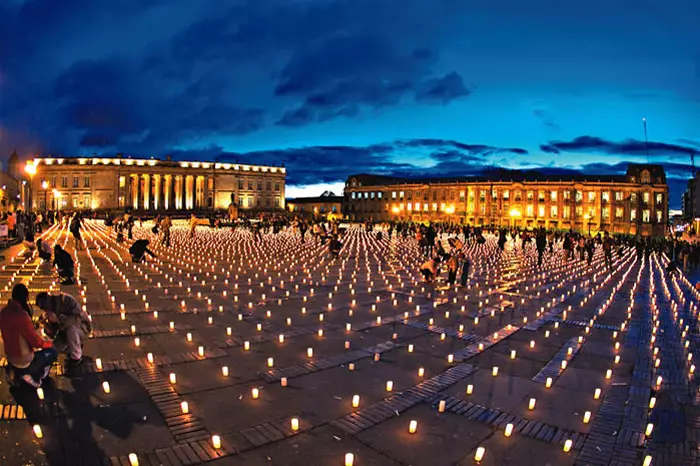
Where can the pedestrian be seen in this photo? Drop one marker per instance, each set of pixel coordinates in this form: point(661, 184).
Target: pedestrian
point(139, 249)
point(64, 265)
point(429, 270)
point(74, 228)
point(21, 338)
point(67, 322)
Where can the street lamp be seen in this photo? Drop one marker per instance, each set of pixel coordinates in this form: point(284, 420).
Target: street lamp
point(514, 214)
point(56, 195)
point(30, 169)
point(45, 187)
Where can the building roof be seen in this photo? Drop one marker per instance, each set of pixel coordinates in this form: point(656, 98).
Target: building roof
point(315, 200)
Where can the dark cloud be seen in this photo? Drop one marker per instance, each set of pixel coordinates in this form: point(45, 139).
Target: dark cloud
point(546, 118)
point(441, 90)
point(629, 147)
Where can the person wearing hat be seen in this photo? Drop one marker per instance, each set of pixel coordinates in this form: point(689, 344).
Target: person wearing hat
point(67, 322)
point(21, 338)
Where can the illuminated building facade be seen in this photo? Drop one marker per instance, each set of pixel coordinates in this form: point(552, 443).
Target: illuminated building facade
point(634, 203)
point(153, 185)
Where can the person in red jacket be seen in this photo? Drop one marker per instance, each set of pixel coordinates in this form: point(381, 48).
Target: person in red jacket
point(21, 339)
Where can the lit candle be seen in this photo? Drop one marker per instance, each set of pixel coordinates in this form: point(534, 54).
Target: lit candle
point(389, 385)
point(531, 405)
point(509, 430)
point(479, 455)
point(224, 371)
point(133, 459)
point(412, 426)
point(596, 395)
point(189, 336)
point(494, 371)
point(355, 401)
point(228, 331)
point(470, 389)
point(200, 350)
point(548, 383)
point(185, 407)
point(567, 445)
point(37, 431)
point(98, 364)
point(149, 356)
point(349, 459)
point(172, 325)
point(441, 406)
point(137, 341)
point(216, 441)
point(295, 424)
point(105, 387)
point(255, 393)
point(608, 374)
point(283, 381)
point(421, 372)
point(652, 402)
point(173, 378)
point(40, 393)
point(246, 345)
point(351, 366)
point(410, 348)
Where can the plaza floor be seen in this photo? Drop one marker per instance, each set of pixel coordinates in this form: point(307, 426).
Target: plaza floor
point(227, 351)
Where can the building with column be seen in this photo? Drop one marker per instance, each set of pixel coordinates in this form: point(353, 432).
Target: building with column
point(91, 183)
point(634, 203)
point(327, 205)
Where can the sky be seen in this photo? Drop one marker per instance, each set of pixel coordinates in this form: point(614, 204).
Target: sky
point(332, 88)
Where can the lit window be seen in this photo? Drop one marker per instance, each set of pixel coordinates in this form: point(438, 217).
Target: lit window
point(122, 181)
point(76, 200)
point(482, 209)
point(393, 194)
point(659, 216)
point(86, 182)
point(633, 198)
point(606, 213)
point(553, 196)
point(591, 196)
point(86, 201)
point(567, 195)
point(401, 194)
point(579, 211)
point(567, 211)
point(619, 212)
point(482, 195)
point(371, 195)
point(606, 196)
point(379, 195)
point(425, 207)
point(659, 198)
point(646, 216)
point(352, 195)
point(506, 194)
point(409, 206)
point(540, 211)
point(645, 197)
point(435, 207)
point(416, 206)
point(530, 210)
point(540, 196)
point(530, 195)
point(633, 215)
point(618, 195)
point(579, 196)
point(553, 211)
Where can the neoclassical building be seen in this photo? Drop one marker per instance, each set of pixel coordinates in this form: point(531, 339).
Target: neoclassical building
point(634, 203)
point(152, 185)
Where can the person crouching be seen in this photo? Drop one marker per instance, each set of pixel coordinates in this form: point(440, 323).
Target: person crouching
point(68, 323)
point(429, 270)
point(139, 249)
point(44, 249)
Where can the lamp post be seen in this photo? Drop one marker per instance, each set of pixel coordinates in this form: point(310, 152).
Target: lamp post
point(30, 169)
point(45, 186)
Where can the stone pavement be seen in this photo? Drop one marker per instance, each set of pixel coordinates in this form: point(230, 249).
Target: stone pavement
point(227, 351)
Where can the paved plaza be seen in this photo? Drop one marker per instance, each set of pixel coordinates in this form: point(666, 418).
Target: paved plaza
point(228, 351)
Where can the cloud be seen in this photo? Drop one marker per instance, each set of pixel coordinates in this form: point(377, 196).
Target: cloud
point(628, 147)
point(546, 118)
point(441, 90)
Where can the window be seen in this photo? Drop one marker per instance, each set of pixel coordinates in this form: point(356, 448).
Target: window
point(352, 195)
point(277, 186)
point(259, 187)
point(461, 196)
point(633, 215)
point(371, 195)
point(591, 196)
point(267, 202)
point(250, 184)
point(425, 207)
point(365, 195)
point(393, 194)
point(400, 194)
point(210, 183)
point(540, 211)
point(434, 195)
point(416, 206)
point(41, 204)
point(553, 211)
point(64, 199)
point(277, 201)
point(578, 196)
point(659, 216)
point(409, 195)
point(605, 196)
point(482, 209)
point(633, 198)
point(379, 195)
point(530, 210)
point(76, 200)
point(64, 182)
point(482, 195)
point(553, 196)
point(540, 196)
point(530, 195)
point(567, 211)
point(506, 194)
point(567, 195)
point(53, 181)
point(646, 217)
point(518, 195)
point(606, 214)
point(86, 182)
point(435, 207)
point(619, 212)
point(646, 177)
point(619, 195)
point(240, 184)
point(76, 182)
point(86, 201)
point(579, 211)
point(659, 198)
point(409, 206)
point(645, 197)
point(494, 194)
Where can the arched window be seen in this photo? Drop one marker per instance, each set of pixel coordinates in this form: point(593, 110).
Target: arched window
point(646, 177)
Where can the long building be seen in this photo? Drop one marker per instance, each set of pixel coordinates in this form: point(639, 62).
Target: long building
point(634, 203)
point(152, 185)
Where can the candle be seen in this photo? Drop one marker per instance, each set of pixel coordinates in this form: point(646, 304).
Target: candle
point(228, 331)
point(410, 348)
point(37, 431)
point(650, 428)
point(133, 459)
point(479, 455)
point(652, 402)
point(548, 383)
point(40, 393)
point(531, 405)
point(172, 325)
point(376, 356)
point(270, 362)
point(347, 345)
point(532, 343)
point(441, 406)
point(509, 430)
point(185, 407)
point(255, 393)
point(563, 365)
point(586, 417)
point(470, 389)
point(133, 329)
point(246, 345)
point(421, 372)
point(647, 461)
point(596, 395)
point(412, 426)
point(98, 364)
point(189, 336)
point(173, 378)
point(137, 341)
point(149, 356)
point(494, 371)
point(200, 350)
point(224, 371)
point(295, 424)
point(608, 374)
point(349, 459)
point(567, 445)
point(105, 387)
point(351, 366)
point(355, 401)
point(389, 385)
point(216, 441)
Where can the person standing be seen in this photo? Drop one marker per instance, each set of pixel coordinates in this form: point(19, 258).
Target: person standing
point(165, 226)
point(75, 225)
point(21, 338)
point(69, 323)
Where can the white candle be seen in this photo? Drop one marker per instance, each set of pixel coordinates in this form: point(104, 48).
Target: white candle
point(216, 441)
point(586, 417)
point(494, 371)
point(98, 364)
point(389, 385)
point(441, 406)
point(149, 356)
point(246, 345)
point(412, 426)
point(270, 362)
point(295, 424)
point(283, 381)
point(349, 459)
point(37, 431)
point(355, 401)
point(185, 407)
point(470, 389)
point(224, 371)
point(173, 378)
point(200, 350)
point(255, 393)
point(509, 430)
point(105, 387)
point(567, 445)
point(40, 393)
point(531, 405)
point(421, 372)
point(310, 352)
point(479, 455)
